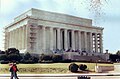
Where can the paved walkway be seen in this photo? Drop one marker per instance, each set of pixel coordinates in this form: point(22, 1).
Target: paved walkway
point(103, 77)
point(64, 76)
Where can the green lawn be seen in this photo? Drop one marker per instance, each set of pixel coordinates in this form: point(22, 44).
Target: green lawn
point(46, 68)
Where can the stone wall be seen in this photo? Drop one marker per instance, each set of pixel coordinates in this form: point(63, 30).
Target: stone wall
point(103, 68)
point(117, 67)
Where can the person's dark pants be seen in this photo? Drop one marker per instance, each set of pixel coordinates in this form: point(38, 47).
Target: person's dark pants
point(14, 74)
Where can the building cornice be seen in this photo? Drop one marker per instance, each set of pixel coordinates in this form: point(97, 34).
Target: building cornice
point(95, 27)
point(31, 17)
point(15, 22)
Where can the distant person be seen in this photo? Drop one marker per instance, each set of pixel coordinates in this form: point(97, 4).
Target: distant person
point(13, 69)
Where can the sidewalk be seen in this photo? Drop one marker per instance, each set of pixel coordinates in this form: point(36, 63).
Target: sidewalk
point(64, 76)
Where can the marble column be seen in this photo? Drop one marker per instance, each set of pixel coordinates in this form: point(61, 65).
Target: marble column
point(24, 30)
point(15, 38)
point(27, 30)
point(101, 44)
point(17, 35)
point(22, 37)
point(19, 38)
point(85, 38)
point(79, 35)
point(96, 43)
point(91, 42)
point(55, 38)
point(6, 40)
point(51, 38)
point(73, 40)
point(44, 37)
point(58, 38)
point(65, 39)
point(11, 38)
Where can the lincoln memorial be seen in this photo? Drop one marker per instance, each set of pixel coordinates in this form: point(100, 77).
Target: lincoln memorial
point(38, 31)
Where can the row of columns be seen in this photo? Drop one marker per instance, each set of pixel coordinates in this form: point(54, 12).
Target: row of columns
point(84, 45)
point(17, 38)
point(84, 41)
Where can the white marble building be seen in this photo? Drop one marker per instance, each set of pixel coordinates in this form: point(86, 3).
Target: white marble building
point(37, 31)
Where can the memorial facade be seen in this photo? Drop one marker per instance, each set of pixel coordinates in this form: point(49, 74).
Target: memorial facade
point(38, 31)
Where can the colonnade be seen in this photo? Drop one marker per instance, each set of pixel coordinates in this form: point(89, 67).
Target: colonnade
point(60, 38)
point(16, 38)
point(54, 38)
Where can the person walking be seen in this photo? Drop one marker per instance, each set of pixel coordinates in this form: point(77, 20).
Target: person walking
point(13, 69)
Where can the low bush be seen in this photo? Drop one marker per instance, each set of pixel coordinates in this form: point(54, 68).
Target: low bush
point(66, 61)
point(27, 62)
point(73, 67)
point(34, 59)
point(3, 57)
point(57, 58)
point(4, 62)
point(14, 57)
point(82, 67)
point(45, 57)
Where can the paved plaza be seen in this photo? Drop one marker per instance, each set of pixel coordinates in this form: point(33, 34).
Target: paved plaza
point(92, 77)
point(64, 76)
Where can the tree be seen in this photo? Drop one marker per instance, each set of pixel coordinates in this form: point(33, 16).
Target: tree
point(12, 51)
point(114, 57)
point(118, 52)
point(13, 54)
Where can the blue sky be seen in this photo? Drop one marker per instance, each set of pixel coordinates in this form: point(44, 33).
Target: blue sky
point(109, 17)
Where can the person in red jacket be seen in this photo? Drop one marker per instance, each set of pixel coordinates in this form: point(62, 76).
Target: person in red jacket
point(13, 69)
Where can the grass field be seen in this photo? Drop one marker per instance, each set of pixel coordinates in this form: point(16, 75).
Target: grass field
point(55, 68)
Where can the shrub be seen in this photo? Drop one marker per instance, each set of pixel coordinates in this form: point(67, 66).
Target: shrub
point(12, 51)
point(45, 57)
point(57, 58)
point(34, 59)
point(14, 57)
point(27, 56)
point(67, 61)
point(27, 61)
point(3, 57)
point(73, 67)
point(4, 62)
point(82, 67)
point(2, 52)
